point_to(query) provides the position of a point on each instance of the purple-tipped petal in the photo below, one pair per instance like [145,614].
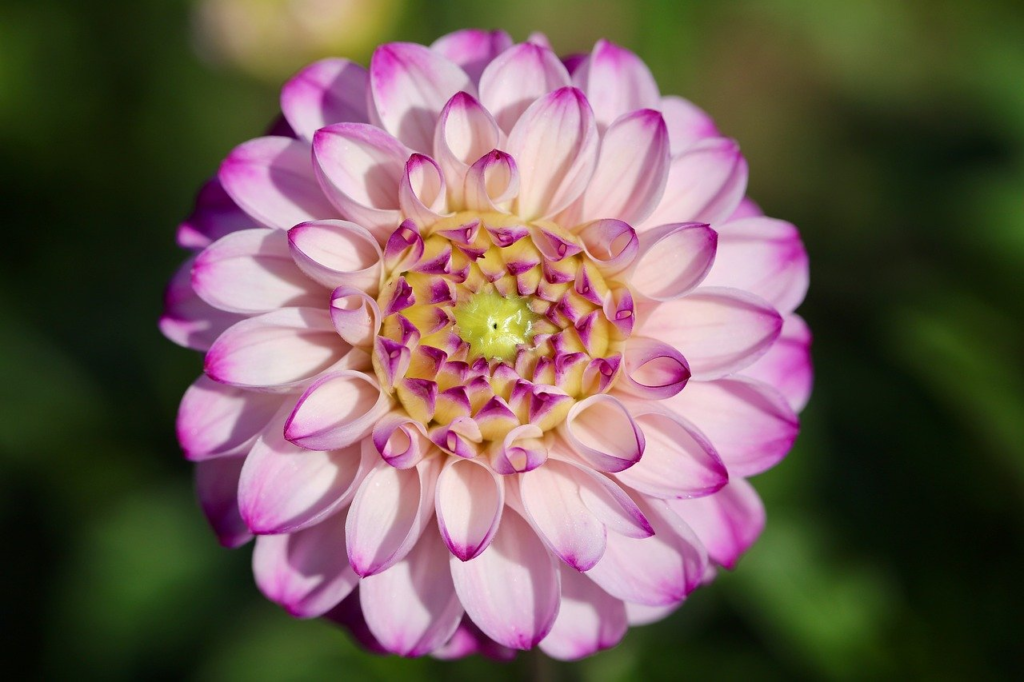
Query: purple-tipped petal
[616,82]
[652,370]
[787,364]
[400,440]
[215,215]
[355,315]
[325,92]
[469,500]
[215,420]
[472,49]
[304,571]
[517,78]
[727,523]
[389,513]
[749,423]
[465,131]
[337,253]
[611,245]
[492,183]
[410,84]
[511,591]
[252,271]
[673,260]
[412,607]
[718,331]
[555,145]
[217,492]
[589,619]
[523,449]
[337,410]
[686,123]
[272,180]
[602,431]
[422,194]
[188,320]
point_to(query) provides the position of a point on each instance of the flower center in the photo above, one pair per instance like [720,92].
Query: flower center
[493,325]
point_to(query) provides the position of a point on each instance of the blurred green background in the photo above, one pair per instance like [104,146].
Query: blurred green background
[891,132]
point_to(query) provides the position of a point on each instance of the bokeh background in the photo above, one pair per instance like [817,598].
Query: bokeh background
[891,132]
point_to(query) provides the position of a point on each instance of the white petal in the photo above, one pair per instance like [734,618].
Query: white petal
[589,619]
[517,78]
[469,501]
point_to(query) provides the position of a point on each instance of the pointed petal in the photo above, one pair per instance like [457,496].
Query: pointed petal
[215,214]
[787,365]
[616,82]
[188,320]
[492,183]
[612,245]
[337,253]
[215,420]
[469,502]
[356,315]
[325,92]
[589,619]
[673,260]
[337,410]
[412,607]
[555,145]
[410,84]
[749,423]
[465,131]
[511,590]
[517,78]
[305,572]
[686,122]
[727,523]
[718,331]
[652,370]
[601,430]
[472,49]
[272,179]
[422,194]
[217,492]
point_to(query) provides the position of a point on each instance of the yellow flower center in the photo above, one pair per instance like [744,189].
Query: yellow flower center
[493,325]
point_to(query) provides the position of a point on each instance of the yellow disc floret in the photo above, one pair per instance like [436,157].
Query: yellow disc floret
[493,325]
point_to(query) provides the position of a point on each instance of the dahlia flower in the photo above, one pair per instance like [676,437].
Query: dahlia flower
[493,343]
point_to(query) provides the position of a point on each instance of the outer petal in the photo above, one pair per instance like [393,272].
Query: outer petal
[644,614]
[787,365]
[750,423]
[465,132]
[410,84]
[764,256]
[305,572]
[285,488]
[602,431]
[705,184]
[686,122]
[356,315]
[215,420]
[469,500]
[589,619]
[511,591]
[658,570]
[517,78]
[325,92]
[277,350]
[388,515]
[272,180]
[652,370]
[616,82]
[251,271]
[214,215]
[412,607]
[217,491]
[673,260]
[718,331]
[472,49]
[555,146]
[188,320]
[337,410]
[337,253]
[360,168]
[632,170]
[468,639]
[727,522]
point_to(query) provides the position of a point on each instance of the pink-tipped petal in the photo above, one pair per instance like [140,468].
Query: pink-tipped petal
[325,92]
[389,513]
[251,271]
[718,331]
[305,572]
[469,500]
[337,410]
[705,184]
[672,560]
[217,492]
[727,523]
[555,145]
[285,488]
[422,194]
[276,351]
[337,253]
[612,245]
[749,423]
[517,78]
[472,49]
[412,607]
[272,180]
[747,209]
[410,84]
[644,614]
[652,370]
[511,591]
[492,183]
[400,440]
[465,131]
[763,256]
[589,619]
[215,214]
[686,122]
[616,82]
[632,170]
[360,168]
[356,316]
[787,364]
[602,431]
[679,460]
[673,260]
[188,320]
[215,420]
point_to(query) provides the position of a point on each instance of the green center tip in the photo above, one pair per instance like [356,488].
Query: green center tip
[494,325]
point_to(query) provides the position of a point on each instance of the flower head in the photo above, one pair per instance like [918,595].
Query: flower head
[493,341]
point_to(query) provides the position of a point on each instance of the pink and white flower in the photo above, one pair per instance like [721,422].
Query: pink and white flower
[493,343]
